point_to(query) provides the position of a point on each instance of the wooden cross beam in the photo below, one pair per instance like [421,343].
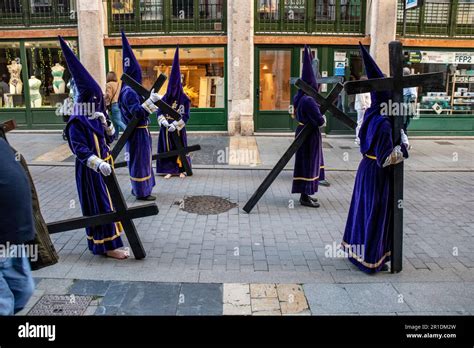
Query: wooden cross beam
[395,83]
[326,104]
[121,212]
[180,151]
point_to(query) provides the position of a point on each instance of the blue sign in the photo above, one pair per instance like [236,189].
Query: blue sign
[411,4]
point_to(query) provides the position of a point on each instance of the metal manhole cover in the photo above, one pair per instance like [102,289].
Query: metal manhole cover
[61,305]
[206,205]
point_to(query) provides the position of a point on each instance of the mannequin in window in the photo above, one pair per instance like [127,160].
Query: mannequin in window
[59,86]
[16,86]
[35,95]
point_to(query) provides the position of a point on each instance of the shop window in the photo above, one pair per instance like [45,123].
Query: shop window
[455,94]
[269,10]
[11,81]
[49,78]
[275,72]
[202,71]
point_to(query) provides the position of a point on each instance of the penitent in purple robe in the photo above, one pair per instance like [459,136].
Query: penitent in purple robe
[179,101]
[87,138]
[367,239]
[139,146]
[309,156]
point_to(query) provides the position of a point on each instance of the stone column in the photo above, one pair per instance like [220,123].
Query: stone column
[240,60]
[91,29]
[383,29]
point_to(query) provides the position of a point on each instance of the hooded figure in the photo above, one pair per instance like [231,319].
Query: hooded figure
[139,145]
[309,156]
[367,240]
[178,100]
[89,135]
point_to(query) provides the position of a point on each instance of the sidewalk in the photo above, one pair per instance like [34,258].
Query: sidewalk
[280,242]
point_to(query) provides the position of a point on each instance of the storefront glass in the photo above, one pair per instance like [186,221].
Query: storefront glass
[202,71]
[275,74]
[48,75]
[455,94]
[11,82]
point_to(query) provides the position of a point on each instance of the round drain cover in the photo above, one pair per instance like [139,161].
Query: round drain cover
[206,205]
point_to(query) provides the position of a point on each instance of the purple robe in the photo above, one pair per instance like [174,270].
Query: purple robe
[139,145]
[93,193]
[308,157]
[367,239]
[173,165]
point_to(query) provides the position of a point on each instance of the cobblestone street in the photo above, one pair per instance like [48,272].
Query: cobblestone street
[280,242]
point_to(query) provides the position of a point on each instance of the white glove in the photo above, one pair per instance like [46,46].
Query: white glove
[105,169]
[172,128]
[149,104]
[163,122]
[405,139]
[325,122]
[154,97]
[99,116]
[395,157]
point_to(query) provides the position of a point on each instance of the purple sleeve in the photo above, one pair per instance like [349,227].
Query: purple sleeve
[383,145]
[78,142]
[133,104]
[310,109]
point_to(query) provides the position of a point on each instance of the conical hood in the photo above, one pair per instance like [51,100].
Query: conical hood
[373,119]
[175,92]
[373,72]
[307,75]
[87,88]
[89,97]
[131,66]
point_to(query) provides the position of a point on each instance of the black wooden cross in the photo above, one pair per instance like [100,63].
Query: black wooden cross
[180,151]
[395,83]
[326,104]
[121,212]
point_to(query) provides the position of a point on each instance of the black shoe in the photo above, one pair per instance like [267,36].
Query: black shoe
[324,183]
[385,268]
[306,201]
[314,199]
[147,199]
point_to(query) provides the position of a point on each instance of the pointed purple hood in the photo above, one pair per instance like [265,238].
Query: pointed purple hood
[131,66]
[175,91]
[307,75]
[372,119]
[90,97]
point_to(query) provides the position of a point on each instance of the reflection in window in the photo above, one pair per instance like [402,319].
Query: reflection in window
[202,71]
[11,84]
[295,10]
[48,74]
[275,71]
[182,9]
[326,10]
[151,10]
[210,9]
[269,9]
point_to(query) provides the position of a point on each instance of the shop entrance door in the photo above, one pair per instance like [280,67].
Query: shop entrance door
[273,95]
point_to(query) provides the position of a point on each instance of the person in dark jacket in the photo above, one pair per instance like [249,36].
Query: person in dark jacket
[16,230]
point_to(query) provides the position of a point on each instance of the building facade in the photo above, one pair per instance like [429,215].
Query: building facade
[238,57]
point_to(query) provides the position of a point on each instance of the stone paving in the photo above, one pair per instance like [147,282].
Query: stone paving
[279,243]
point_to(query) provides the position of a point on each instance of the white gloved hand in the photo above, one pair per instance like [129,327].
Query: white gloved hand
[154,97]
[172,128]
[395,157]
[325,122]
[163,122]
[105,169]
[405,139]
[99,116]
